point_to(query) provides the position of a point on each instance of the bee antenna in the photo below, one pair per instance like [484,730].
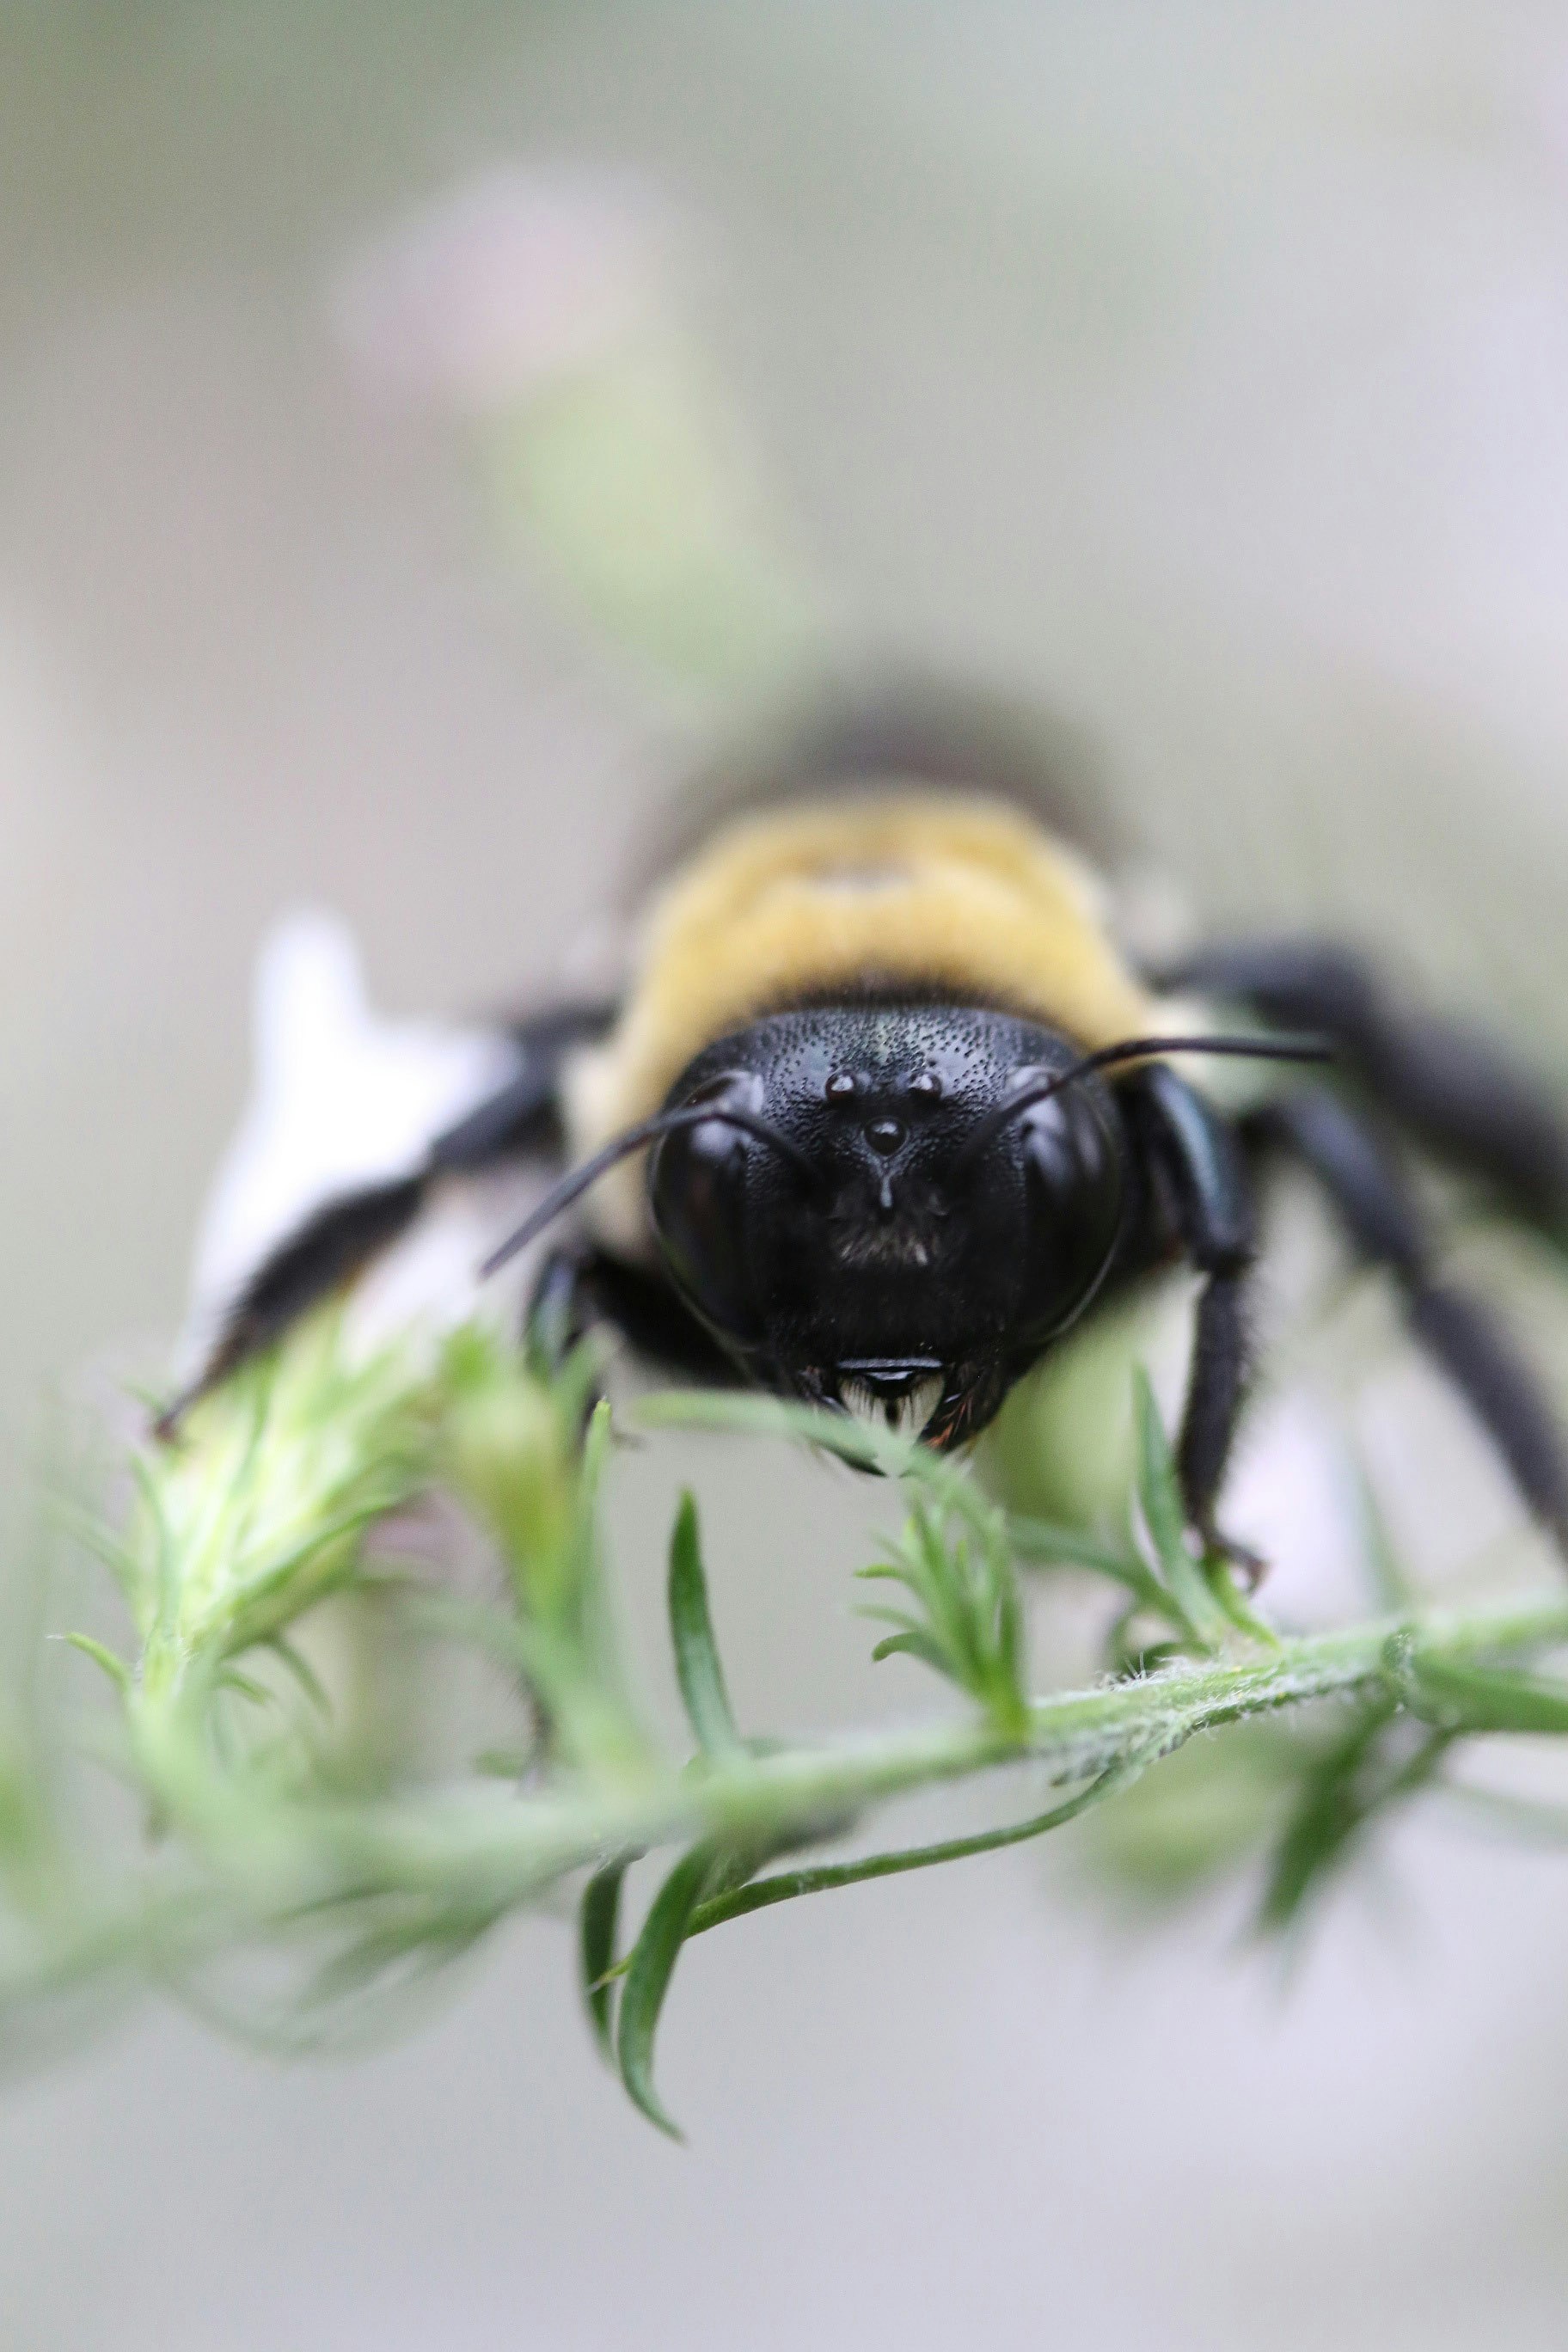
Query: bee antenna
[632,1139]
[1141,1049]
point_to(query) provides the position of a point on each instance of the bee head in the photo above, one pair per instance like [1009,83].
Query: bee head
[893,1208]
[864,1222]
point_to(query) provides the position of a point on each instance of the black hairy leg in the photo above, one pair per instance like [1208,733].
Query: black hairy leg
[333,1244]
[579,1288]
[339,1240]
[1373,1200]
[1457,1091]
[1202,1186]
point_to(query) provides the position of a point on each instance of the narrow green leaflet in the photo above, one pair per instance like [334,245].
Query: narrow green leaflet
[598,1920]
[1391,1586]
[246,1685]
[1461,1697]
[1060,1547]
[86,1529]
[304,1673]
[117,1670]
[1383,1757]
[1064,1546]
[1330,1809]
[738,1413]
[913,1642]
[647,1980]
[697,1666]
[1234,1604]
[786,1886]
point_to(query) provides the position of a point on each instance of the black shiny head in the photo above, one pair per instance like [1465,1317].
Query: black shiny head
[874,1234]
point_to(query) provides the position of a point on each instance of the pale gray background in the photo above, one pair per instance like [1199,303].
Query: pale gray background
[1202,369]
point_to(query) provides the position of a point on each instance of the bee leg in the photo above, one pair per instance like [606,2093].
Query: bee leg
[580,1288]
[1200,1155]
[1375,1202]
[337,1240]
[558,1316]
[318,1257]
[1457,1091]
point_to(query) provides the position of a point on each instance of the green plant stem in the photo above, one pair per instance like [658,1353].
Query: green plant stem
[490,1851]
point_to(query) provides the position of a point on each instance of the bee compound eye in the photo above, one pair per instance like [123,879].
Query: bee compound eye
[1074,1193]
[698,1199]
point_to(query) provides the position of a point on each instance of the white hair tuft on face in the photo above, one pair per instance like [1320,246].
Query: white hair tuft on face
[905,1415]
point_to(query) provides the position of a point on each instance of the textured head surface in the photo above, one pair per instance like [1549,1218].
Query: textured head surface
[892,1242]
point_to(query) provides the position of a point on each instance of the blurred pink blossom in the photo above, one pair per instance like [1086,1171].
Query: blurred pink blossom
[520,274]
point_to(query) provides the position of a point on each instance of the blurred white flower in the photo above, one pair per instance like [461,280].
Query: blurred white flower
[343,1098]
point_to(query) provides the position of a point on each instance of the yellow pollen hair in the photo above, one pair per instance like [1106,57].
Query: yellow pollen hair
[939,894]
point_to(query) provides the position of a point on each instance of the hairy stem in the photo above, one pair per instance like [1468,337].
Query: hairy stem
[490,1851]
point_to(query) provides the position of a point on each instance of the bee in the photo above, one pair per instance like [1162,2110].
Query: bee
[885,1107]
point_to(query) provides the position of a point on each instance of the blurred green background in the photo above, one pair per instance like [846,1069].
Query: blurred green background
[1203,374]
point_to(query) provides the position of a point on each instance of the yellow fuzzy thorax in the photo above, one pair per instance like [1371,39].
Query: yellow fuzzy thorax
[965,896]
